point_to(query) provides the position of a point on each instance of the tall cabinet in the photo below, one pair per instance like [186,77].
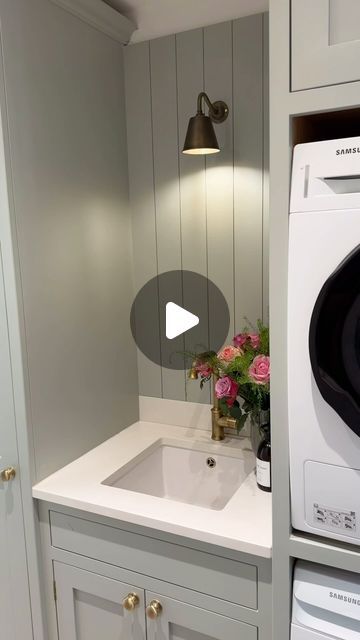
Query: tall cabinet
[325,43]
[314,70]
[65,245]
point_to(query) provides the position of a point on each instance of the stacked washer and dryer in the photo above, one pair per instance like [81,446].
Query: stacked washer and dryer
[324,377]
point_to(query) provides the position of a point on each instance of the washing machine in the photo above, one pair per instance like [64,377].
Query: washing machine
[326,603]
[324,339]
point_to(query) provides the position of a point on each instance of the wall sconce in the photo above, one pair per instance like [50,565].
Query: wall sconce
[200,137]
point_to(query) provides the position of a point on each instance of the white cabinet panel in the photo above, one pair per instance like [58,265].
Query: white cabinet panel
[180,621]
[325,42]
[90,607]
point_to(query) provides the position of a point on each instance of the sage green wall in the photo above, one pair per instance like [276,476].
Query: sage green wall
[206,214]
[64,109]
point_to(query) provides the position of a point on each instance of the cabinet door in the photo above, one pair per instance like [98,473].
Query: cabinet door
[175,620]
[15,611]
[325,42]
[89,607]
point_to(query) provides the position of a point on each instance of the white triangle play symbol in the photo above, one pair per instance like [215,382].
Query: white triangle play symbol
[178,320]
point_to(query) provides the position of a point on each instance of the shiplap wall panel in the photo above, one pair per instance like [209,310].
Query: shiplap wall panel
[190,73]
[208,215]
[167,197]
[248,167]
[141,184]
[219,169]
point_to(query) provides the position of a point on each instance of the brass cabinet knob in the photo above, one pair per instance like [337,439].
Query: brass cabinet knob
[154,609]
[8,474]
[131,601]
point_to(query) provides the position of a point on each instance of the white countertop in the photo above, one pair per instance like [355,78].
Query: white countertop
[243,525]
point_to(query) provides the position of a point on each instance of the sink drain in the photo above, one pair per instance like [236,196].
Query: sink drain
[211,462]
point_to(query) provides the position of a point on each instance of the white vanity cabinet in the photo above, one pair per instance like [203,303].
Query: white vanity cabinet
[325,42]
[179,589]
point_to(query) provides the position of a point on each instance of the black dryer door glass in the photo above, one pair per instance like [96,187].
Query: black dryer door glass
[334,340]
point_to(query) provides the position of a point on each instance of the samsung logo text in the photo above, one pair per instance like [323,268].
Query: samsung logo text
[347,151]
[349,599]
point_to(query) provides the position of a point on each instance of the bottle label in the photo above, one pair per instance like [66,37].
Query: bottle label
[263,473]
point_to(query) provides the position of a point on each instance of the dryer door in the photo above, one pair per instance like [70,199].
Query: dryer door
[334,340]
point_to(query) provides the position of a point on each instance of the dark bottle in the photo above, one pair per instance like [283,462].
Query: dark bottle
[263,462]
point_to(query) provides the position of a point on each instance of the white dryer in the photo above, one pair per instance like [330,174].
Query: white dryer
[326,603]
[324,339]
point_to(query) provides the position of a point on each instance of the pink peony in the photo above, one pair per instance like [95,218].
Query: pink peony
[254,339]
[229,353]
[240,339]
[259,370]
[203,369]
[226,388]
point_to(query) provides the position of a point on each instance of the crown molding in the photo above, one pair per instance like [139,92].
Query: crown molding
[100,16]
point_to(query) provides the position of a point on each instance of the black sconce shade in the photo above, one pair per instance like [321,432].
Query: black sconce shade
[200,137]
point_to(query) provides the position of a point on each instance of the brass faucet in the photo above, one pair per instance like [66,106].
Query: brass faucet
[219,422]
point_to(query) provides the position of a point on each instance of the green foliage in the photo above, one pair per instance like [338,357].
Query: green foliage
[264,338]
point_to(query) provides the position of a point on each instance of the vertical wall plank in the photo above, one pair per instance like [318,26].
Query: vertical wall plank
[218,59]
[266,181]
[208,215]
[248,163]
[190,74]
[167,197]
[141,182]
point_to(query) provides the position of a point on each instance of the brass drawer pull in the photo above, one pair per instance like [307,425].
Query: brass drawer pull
[154,609]
[131,601]
[8,474]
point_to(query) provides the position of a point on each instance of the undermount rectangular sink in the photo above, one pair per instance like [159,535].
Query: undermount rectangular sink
[194,475]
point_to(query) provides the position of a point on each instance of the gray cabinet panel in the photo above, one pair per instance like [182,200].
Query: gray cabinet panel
[180,621]
[90,607]
[325,42]
[15,612]
[220,577]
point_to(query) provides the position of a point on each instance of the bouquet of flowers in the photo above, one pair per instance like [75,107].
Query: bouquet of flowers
[241,372]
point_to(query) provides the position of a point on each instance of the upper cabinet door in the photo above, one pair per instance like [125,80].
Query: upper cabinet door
[169,619]
[325,42]
[91,606]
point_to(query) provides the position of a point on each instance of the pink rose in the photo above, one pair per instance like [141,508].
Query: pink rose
[226,388]
[254,339]
[203,369]
[240,339]
[259,370]
[229,353]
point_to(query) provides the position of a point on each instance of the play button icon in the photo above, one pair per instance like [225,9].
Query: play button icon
[176,314]
[178,320]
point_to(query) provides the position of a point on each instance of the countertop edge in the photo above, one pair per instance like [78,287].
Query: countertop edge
[260,551]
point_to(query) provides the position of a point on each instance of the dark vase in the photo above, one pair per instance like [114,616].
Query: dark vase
[263,461]
[259,419]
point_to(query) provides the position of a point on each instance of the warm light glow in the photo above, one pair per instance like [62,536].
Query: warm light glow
[200,152]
